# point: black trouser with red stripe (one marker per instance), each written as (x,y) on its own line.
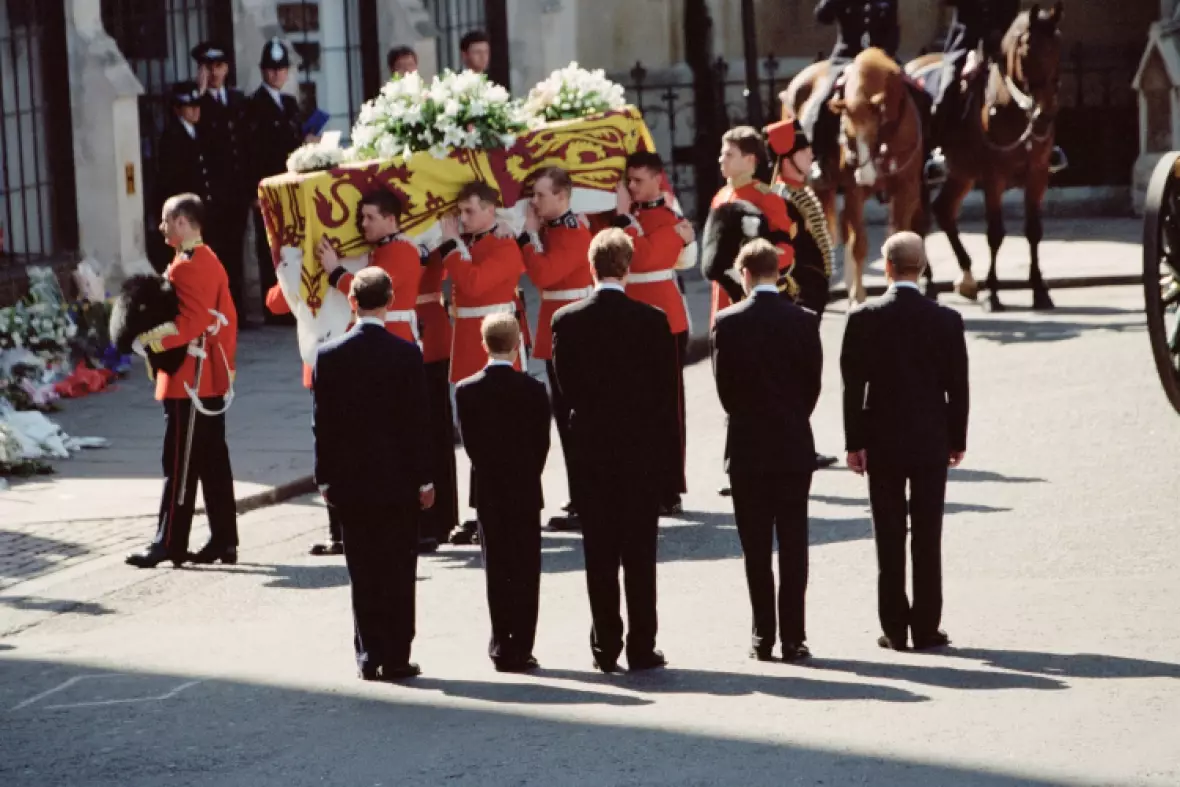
(209,464)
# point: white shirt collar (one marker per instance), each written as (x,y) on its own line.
(189,127)
(773,290)
(897,285)
(496,362)
(609,285)
(370,321)
(276,95)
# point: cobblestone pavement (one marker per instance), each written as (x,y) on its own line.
(1061,580)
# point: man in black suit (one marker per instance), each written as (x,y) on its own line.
(372,464)
(904,363)
(616,368)
(183,165)
(767,362)
(504,419)
(223,125)
(275,132)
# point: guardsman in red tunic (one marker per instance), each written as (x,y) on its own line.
(194,442)
(556,248)
(659,235)
(484,269)
(741,150)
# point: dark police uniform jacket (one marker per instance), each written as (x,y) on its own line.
(861,24)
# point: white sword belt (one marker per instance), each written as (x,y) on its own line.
(475,312)
(567,295)
(429,297)
(651,277)
(407,315)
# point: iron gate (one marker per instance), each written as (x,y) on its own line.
(156,37)
(38,209)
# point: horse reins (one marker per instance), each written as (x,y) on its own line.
(1023,101)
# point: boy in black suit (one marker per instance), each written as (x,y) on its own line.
(372,464)
(904,363)
(767,362)
(504,418)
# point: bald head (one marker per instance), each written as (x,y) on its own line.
(905,254)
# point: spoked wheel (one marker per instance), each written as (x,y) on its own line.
(1161,272)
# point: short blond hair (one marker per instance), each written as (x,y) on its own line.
(610,253)
(501,332)
(906,251)
(759,257)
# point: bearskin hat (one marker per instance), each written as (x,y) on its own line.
(146,302)
(729,227)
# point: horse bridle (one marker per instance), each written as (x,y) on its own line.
(1032,109)
(885,131)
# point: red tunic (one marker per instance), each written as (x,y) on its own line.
(653,266)
(201,285)
(434,324)
(398,256)
(558,264)
(774,208)
(484,273)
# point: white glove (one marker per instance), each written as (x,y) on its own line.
(138,348)
(219,320)
(196,351)
(750,226)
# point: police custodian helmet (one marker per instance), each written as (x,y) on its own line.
(274,55)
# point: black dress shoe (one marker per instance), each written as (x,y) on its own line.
(672,508)
(761,655)
(568,507)
(938,639)
(890,643)
(330,548)
(822,461)
(606,667)
(564,524)
(427,544)
(401,672)
(725,491)
(152,557)
(466,533)
(210,554)
(517,665)
(653,660)
(795,651)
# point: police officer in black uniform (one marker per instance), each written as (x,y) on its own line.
(860,24)
(275,132)
(182,156)
(223,126)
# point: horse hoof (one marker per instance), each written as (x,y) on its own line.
(992,304)
(1042,301)
(967,288)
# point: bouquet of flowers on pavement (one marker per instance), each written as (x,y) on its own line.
(573,92)
(453,111)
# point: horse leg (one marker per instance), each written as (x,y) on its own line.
(856,243)
(1034,231)
(907,214)
(946,212)
(993,190)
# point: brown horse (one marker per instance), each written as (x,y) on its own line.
(1003,138)
(881,153)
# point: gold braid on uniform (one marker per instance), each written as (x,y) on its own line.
(808,205)
(787,285)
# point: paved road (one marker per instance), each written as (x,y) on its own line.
(1061,587)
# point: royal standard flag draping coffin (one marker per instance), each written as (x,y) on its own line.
(301,208)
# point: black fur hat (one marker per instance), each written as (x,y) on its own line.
(146,302)
(729,227)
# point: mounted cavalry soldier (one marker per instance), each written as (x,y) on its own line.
(861,24)
(223,125)
(973,43)
(195,397)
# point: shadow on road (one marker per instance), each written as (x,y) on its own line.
(38,553)
(1004,331)
(1069,665)
(35,604)
(237,733)
(941,677)
(790,686)
(524,693)
(988,476)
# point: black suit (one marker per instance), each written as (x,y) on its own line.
(504,419)
(274,134)
(615,361)
(858,21)
(223,126)
(767,361)
(183,167)
(980,21)
(372,455)
(904,363)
